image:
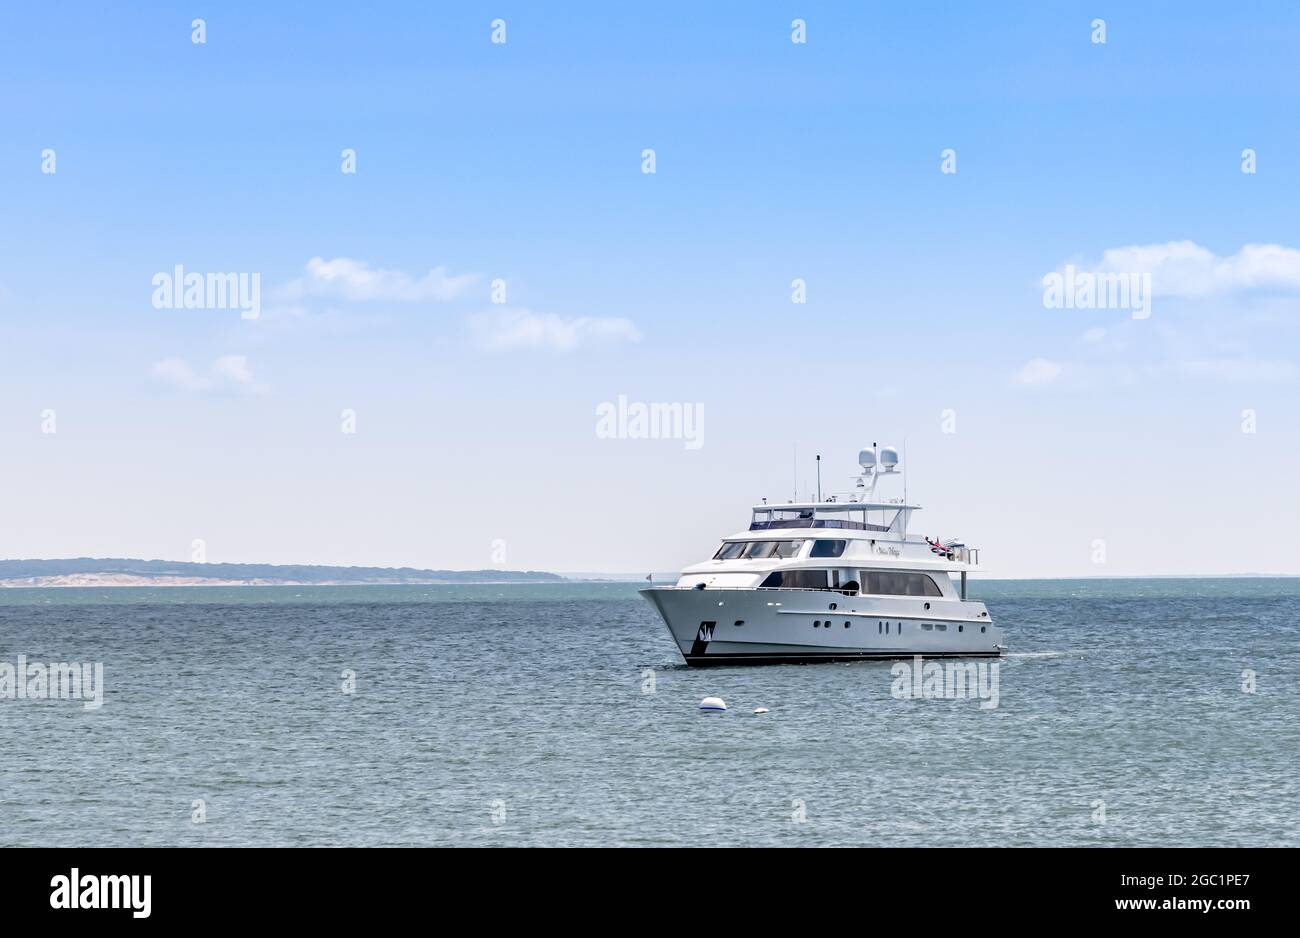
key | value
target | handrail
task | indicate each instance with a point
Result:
(816, 523)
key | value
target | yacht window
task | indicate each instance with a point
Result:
(888, 583)
(757, 550)
(827, 549)
(796, 579)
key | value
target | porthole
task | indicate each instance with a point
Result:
(926, 626)
(817, 624)
(983, 629)
(927, 605)
(846, 625)
(739, 623)
(832, 607)
(961, 628)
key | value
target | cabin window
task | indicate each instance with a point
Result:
(890, 583)
(796, 580)
(827, 549)
(757, 550)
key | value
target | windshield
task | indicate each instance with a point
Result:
(757, 550)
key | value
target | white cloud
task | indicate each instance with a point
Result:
(233, 369)
(346, 279)
(227, 373)
(1237, 369)
(522, 328)
(177, 372)
(1038, 371)
(1185, 269)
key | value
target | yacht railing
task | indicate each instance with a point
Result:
(816, 523)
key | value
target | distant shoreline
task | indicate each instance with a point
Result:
(118, 580)
(100, 572)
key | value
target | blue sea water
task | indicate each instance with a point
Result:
(563, 715)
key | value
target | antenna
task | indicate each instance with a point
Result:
(904, 472)
(819, 477)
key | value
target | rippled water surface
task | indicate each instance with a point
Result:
(519, 715)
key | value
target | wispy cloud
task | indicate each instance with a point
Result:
(1186, 269)
(522, 328)
(1239, 369)
(227, 373)
(346, 279)
(1037, 371)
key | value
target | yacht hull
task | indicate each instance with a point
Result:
(776, 626)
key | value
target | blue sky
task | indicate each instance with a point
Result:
(522, 161)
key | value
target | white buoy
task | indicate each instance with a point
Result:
(713, 704)
(760, 709)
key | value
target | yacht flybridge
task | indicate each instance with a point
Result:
(833, 580)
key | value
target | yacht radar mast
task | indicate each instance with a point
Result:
(876, 462)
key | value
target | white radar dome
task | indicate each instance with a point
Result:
(888, 457)
(866, 458)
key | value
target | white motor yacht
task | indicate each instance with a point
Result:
(830, 580)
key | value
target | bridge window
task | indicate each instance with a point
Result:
(757, 550)
(827, 549)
